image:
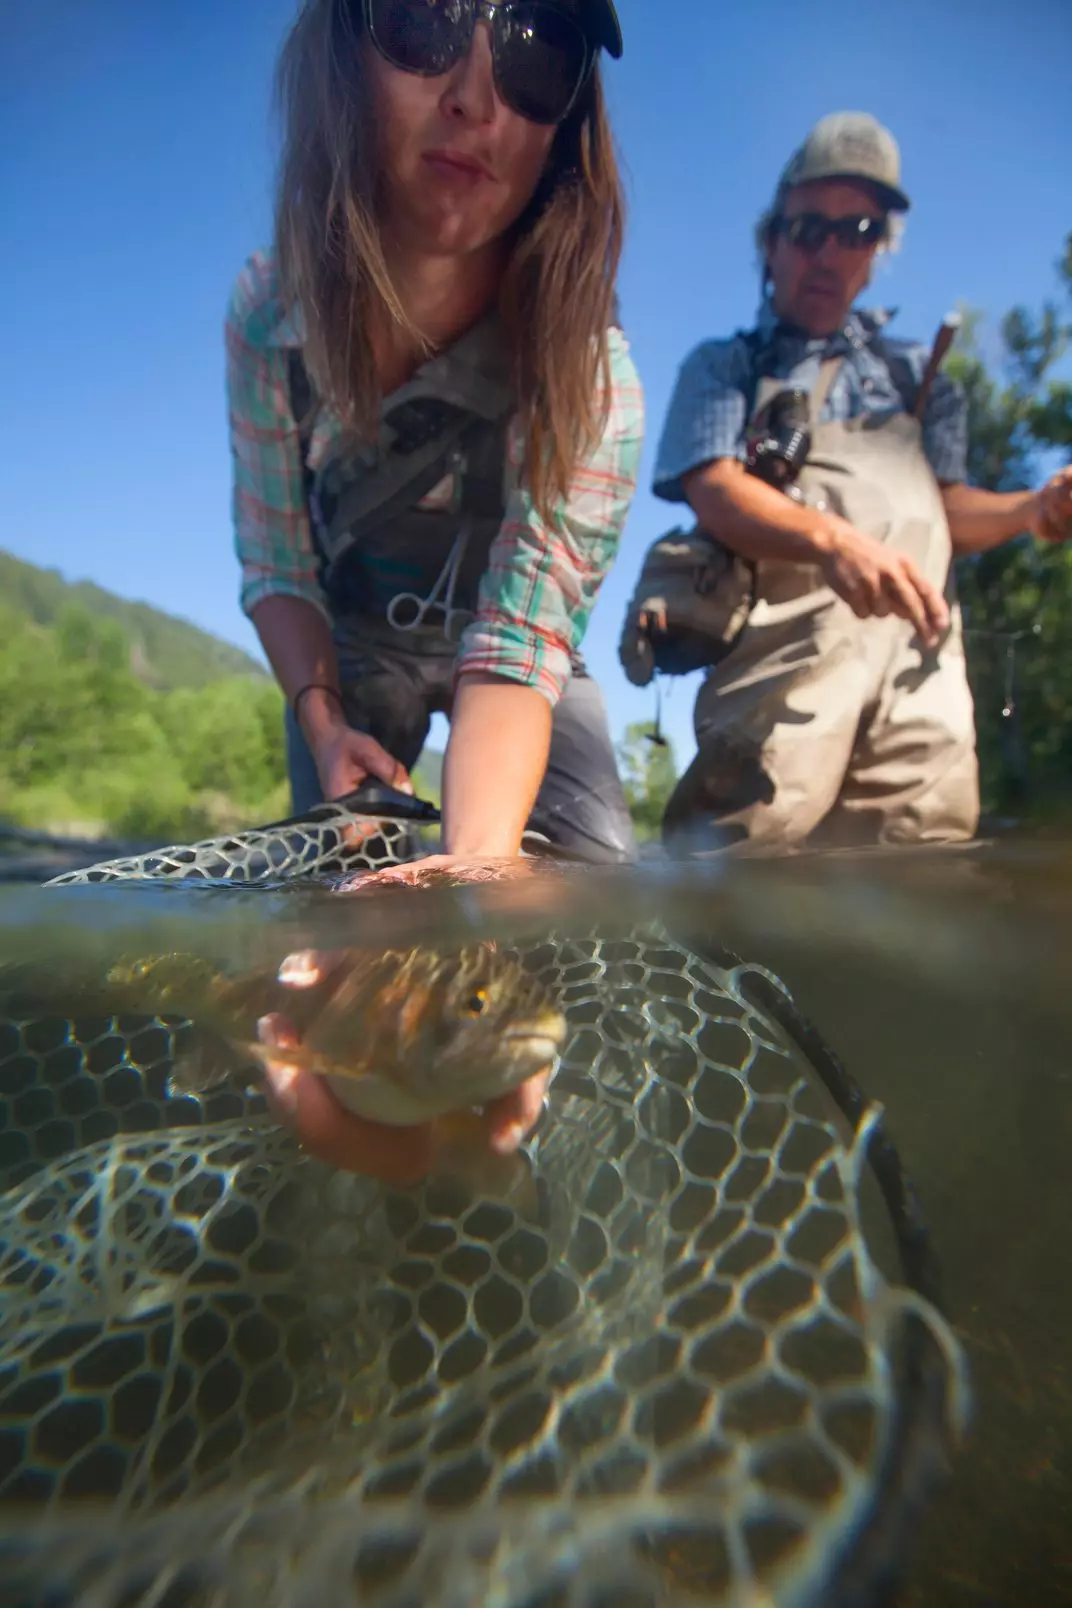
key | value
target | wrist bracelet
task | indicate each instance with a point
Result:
(314, 686)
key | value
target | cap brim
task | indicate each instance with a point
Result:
(890, 196)
(604, 27)
(896, 200)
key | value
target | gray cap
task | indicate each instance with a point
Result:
(849, 145)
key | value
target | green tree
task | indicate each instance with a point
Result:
(1018, 597)
(648, 773)
(227, 736)
(86, 745)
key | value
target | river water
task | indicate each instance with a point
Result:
(941, 980)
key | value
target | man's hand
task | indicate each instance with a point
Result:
(760, 522)
(397, 1156)
(1053, 519)
(874, 580)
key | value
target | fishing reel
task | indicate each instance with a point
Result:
(778, 443)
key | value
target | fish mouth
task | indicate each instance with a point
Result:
(537, 1042)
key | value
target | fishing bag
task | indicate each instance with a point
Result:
(691, 603)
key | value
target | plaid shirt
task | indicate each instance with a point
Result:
(706, 418)
(541, 583)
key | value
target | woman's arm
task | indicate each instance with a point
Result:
(500, 736)
(297, 641)
(535, 602)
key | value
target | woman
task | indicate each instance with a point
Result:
(436, 431)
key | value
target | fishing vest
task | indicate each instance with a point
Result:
(386, 516)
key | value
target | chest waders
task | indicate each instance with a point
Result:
(819, 727)
(403, 531)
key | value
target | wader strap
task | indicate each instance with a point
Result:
(828, 373)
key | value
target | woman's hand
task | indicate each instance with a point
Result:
(344, 758)
(397, 1156)
(435, 869)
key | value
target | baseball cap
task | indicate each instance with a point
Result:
(601, 21)
(849, 145)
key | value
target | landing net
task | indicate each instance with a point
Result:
(664, 1369)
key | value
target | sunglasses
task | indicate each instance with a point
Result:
(540, 55)
(809, 231)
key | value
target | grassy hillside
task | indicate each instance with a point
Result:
(118, 720)
(166, 652)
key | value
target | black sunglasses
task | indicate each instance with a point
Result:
(809, 231)
(540, 56)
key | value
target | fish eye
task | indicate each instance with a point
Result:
(474, 1005)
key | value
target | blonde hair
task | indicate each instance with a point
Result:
(557, 295)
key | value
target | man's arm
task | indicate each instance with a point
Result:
(759, 522)
(980, 519)
(754, 519)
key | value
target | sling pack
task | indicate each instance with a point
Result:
(384, 517)
(448, 423)
(694, 595)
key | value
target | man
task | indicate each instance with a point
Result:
(841, 714)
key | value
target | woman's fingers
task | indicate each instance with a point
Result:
(513, 1115)
(378, 762)
(325, 1128)
(399, 1156)
(394, 1155)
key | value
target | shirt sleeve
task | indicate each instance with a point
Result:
(706, 417)
(541, 584)
(271, 523)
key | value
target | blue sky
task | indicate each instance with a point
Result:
(136, 149)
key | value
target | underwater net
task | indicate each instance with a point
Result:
(663, 1368)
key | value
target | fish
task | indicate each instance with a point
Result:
(402, 1036)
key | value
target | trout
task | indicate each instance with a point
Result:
(403, 1037)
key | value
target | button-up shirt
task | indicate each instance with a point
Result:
(707, 414)
(542, 578)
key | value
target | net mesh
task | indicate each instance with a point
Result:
(329, 842)
(662, 1368)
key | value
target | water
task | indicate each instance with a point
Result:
(940, 979)
(978, 1087)
(942, 982)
